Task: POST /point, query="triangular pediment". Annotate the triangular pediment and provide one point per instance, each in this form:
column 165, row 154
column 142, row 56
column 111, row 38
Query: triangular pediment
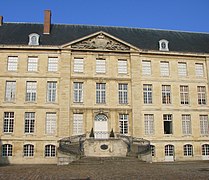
column 99, row 41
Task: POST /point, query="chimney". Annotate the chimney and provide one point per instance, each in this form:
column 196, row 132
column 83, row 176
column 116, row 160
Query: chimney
column 1, row 20
column 47, row 21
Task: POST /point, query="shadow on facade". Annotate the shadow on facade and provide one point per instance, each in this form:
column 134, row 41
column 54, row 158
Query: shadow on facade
column 4, row 161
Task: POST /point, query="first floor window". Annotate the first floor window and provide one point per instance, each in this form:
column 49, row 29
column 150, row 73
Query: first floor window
column 78, row 92
column 51, row 123
column 186, row 124
column 28, row 150
column 10, row 91
column 168, row 128
column 166, row 94
column 123, row 93
column 6, row 150
column 147, row 93
column 100, row 92
column 77, row 124
column 205, row 149
column 123, row 121
column 51, row 91
column 149, row 124
column 8, row 122
column 50, row 150
column 184, row 94
column 204, row 126
column 31, row 91
column 188, row 150
column 29, row 122
column 201, row 94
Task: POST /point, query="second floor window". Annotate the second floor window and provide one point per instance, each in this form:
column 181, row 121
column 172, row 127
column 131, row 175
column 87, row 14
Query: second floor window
column 201, row 94
column 122, row 67
column 31, row 91
column 100, row 92
column 52, row 64
column 123, row 93
column 32, row 63
column 29, row 122
column 199, row 70
column 10, row 91
column 8, row 122
column 147, row 93
column 182, row 69
column 184, row 94
column 100, row 66
column 12, row 63
column 51, row 91
column 164, row 69
column 166, row 94
column 78, row 65
column 146, row 68
column 78, row 92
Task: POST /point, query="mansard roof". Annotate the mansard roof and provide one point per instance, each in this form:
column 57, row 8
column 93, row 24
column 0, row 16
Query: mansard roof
column 145, row 39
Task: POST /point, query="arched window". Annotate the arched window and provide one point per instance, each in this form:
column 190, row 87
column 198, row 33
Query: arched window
column 188, row 150
column 205, row 149
column 6, row 150
column 50, row 150
column 33, row 39
column 163, row 45
column 28, row 150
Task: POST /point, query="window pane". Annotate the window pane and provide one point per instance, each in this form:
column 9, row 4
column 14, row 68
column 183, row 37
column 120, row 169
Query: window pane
column 28, row 150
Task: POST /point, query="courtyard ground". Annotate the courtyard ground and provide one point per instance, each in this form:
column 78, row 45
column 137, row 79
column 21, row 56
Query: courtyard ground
column 108, row 169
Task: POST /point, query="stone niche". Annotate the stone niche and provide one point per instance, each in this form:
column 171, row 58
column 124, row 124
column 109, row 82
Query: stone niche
column 105, row 148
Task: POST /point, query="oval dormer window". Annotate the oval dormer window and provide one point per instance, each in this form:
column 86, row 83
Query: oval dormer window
column 33, row 39
column 163, row 45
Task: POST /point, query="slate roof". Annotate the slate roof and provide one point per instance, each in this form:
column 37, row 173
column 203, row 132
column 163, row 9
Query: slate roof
column 146, row 39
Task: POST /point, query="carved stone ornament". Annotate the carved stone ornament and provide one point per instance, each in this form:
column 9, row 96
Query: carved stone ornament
column 100, row 42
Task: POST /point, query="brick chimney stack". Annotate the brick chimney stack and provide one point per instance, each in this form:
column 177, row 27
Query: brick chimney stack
column 1, row 20
column 47, row 21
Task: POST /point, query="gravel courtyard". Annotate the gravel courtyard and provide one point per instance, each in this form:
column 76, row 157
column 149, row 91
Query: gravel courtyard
column 103, row 169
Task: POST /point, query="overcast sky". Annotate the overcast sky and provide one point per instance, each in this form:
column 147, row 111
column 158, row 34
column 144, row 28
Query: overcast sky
column 184, row 15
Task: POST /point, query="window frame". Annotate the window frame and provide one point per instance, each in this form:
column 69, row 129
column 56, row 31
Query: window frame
column 188, row 150
column 204, row 124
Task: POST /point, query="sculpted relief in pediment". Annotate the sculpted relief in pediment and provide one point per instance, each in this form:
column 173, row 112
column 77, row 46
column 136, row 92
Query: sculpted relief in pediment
column 102, row 42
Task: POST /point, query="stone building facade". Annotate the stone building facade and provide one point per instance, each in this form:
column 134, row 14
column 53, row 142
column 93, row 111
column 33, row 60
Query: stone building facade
column 63, row 81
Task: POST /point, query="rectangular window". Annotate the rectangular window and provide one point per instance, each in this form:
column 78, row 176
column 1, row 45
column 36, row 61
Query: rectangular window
column 123, row 93
column 168, row 127
column 166, row 94
column 29, row 122
column 184, row 94
column 100, row 66
column 78, row 92
column 123, row 121
column 78, row 65
column 32, row 63
column 100, row 92
column 77, row 124
column 146, row 68
column 201, row 94
column 199, row 70
column 51, row 123
column 12, row 63
column 31, row 91
column 10, row 91
column 204, row 127
column 186, row 124
column 53, row 64
column 182, row 69
column 147, row 93
column 6, row 150
column 122, row 67
column 8, row 122
column 164, row 69
column 51, row 91
column 149, row 124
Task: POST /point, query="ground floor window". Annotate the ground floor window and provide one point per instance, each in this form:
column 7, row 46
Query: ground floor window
column 28, row 150
column 205, row 149
column 169, row 150
column 6, row 150
column 188, row 150
column 152, row 147
column 50, row 150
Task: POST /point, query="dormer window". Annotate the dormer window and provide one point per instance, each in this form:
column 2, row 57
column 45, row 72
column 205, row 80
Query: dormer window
column 163, row 45
column 33, row 39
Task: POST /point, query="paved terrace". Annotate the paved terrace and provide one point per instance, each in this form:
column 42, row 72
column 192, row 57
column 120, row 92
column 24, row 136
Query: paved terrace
column 108, row 169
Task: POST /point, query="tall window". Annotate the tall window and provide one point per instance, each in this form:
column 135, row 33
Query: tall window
column 6, row 150
column 199, row 70
column 152, row 147
column 78, row 65
column 29, row 122
column 100, row 66
column 10, row 91
column 8, row 122
column 123, row 121
column 53, row 64
column 182, row 69
column 149, row 124
column 32, row 63
column 186, row 124
column 201, row 94
column 122, row 67
column 77, row 124
column 28, row 150
column 168, row 127
column 184, row 94
column 147, row 92
column 204, row 126
column 31, row 91
column 164, row 69
column 12, row 63
column 100, row 92
column 123, row 93
column 51, row 91
column 50, row 150
column 146, row 68
column 166, row 94
column 169, row 150
column 51, row 123
column 205, row 149
column 188, row 150
column 78, row 92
